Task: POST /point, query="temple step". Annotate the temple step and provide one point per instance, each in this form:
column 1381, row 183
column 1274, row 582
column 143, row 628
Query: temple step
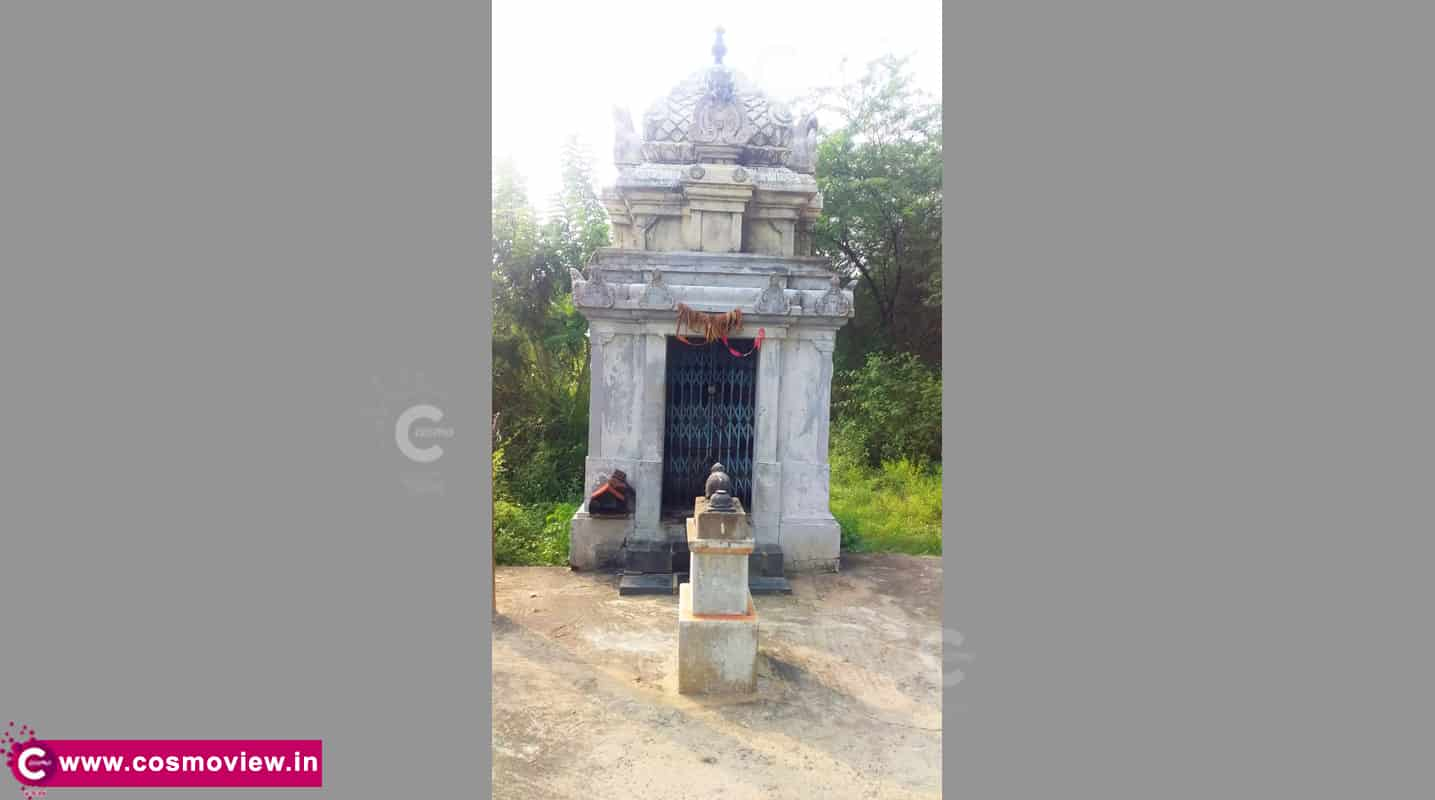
column 652, row 583
column 766, row 584
column 668, row 583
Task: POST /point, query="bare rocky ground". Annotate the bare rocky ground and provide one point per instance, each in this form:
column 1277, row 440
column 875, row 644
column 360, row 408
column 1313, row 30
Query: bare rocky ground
column 848, row 703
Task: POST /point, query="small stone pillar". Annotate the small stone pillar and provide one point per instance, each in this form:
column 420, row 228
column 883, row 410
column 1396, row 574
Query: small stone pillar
column 717, row 622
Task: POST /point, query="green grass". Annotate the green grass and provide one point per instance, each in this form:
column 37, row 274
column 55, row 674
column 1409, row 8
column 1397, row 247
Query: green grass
column 893, row 509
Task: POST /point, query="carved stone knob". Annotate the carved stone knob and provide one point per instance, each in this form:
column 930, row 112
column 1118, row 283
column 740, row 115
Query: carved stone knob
column 719, row 489
column 717, row 480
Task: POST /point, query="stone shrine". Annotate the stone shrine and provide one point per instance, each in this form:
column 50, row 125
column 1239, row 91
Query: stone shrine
column 712, row 213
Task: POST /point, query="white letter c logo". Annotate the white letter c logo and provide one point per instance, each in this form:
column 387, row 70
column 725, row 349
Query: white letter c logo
column 23, row 763
column 422, row 455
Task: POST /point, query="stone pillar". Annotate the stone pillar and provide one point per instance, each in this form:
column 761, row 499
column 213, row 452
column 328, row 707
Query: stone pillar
column 651, row 417
column 619, row 423
column 766, row 468
column 809, row 534
column 621, row 435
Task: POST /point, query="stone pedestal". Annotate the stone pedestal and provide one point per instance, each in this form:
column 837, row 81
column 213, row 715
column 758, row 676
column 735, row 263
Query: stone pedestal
column 717, row 622
column 720, row 545
column 716, row 654
column 596, row 542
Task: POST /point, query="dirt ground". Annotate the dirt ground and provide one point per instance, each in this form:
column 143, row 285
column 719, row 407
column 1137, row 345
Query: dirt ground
column 848, row 703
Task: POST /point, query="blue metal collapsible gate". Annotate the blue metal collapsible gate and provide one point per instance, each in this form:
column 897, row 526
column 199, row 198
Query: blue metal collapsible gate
column 710, row 410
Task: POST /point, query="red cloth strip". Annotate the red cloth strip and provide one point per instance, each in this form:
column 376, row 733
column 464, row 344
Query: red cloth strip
column 757, row 345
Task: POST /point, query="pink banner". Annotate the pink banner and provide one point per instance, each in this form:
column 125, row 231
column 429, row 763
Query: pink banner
column 164, row 763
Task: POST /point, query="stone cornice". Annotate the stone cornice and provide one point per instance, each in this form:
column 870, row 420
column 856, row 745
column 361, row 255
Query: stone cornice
column 674, row 176
column 671, row 262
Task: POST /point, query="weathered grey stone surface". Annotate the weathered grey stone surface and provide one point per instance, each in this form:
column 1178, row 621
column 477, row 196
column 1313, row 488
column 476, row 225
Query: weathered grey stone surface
column 762, row 286
column 715, row 655
column 720, row 582
column 596, row 542
column 813, row 545
column 719, row 544
column 723, row 525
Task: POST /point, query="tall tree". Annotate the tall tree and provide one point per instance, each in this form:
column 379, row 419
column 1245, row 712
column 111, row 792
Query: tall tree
column 540, row 352
column 880, row 173
column 522, row 274
column 579, row 223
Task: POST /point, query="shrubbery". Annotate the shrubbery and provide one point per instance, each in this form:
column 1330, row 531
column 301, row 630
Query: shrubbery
column 890, row 410
column 531, row 535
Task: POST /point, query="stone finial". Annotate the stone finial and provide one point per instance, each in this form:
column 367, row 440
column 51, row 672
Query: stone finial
column 717, row 479
column 719, row 489
column 719, row 49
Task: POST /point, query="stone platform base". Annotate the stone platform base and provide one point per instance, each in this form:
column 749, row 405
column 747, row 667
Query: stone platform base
column 761, row 584
column 596, row 543
column 716, row 655
column 659, row 583
column 811, row 545
column 668, row 584
column 644, row 557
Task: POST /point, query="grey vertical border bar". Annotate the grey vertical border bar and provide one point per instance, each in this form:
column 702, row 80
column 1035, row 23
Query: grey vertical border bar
column 483, row 339
column 954, row 698
column 1190, row 397
column 228, row 233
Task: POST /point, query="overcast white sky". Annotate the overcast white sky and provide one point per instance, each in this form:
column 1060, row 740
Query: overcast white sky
column 560, row 66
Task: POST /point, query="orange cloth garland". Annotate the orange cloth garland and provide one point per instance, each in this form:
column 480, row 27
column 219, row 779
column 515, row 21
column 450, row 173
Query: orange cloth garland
column 715, row 327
